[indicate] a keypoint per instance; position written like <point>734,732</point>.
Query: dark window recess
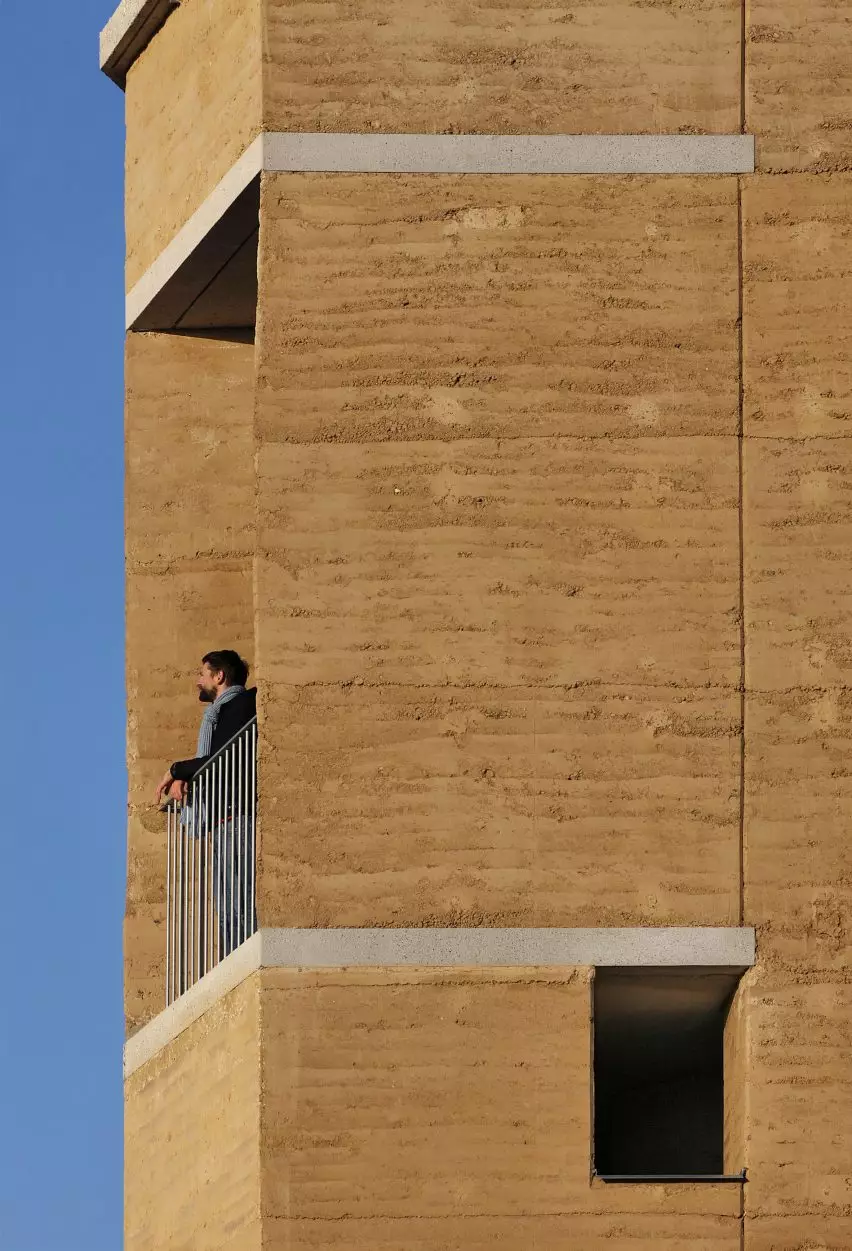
<point>658,1072</point>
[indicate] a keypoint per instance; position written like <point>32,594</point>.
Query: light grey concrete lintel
<point>366,948</point>
<point>681,947</point>
<point>508,154</point>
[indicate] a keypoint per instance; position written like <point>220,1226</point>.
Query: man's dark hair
<point>230,663</point>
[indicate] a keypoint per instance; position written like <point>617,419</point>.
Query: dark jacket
<point>234,714</point>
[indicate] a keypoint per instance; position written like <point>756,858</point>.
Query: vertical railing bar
<point>208,906</point>
<point>196,920</point>
<point>197,871</point>
<point>226,867</point>
<point>246,794</point>
<point>224,859</point>
<point>238,838</point>
<point>218,861</point>
<point>235,827</point>
<point>235,859</point>
<point>179,908</point>
<point>241,925</point>
<point>173,918</point>
<point>196,850</point>
<point>232,852</point>
<point>202,878</point>
<point>208,876</point>
<point>185,915</point>
<point>188,905</point>
<point>235,848</point>
<point>168,894</point>
<point>190,882</point>
<point>199,848</point>
<point>178,889</point>
<point>245,831</point>
<point>173,901</point>
<point>250,831</point>
<point>252,812</point>
<point>175,912</point>
<point>217,857</point>
<point>202,871</point>
<point>213,866</point>
<point>196,932</point>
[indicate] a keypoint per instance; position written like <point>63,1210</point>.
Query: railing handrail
<point>218,752</point>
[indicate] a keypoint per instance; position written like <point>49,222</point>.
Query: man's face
<point>207,684</point>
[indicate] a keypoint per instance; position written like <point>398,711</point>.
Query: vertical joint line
<point>743,36</point>
<point>742,1217</point>
<point>741,539</point>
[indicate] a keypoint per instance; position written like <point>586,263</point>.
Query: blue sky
<point>61,631</point>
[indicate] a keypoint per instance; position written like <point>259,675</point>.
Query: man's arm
<point>169,788</point>
<point>182,772</point>
<point>185,770</point>
<point>231,721</point>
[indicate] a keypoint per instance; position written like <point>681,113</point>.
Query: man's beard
<point>206,695</point>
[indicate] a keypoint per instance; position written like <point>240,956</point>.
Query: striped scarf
<point>192,816</point>
<point>211,718</point>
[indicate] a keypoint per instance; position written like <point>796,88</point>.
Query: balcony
<point>210,864</point>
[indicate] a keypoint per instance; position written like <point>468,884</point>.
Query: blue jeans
<point>234,878</point>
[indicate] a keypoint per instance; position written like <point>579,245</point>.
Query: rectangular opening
<point>659,1098</point>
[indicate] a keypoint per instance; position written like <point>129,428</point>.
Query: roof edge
<point>128,32</point>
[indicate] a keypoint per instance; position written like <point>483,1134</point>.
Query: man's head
<point>218,671</point>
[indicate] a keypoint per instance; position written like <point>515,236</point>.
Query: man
<point>221,685</point>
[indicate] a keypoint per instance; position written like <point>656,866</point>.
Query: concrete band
<point>508,154</point>
<point>278,152</point>
<point>690,948</point>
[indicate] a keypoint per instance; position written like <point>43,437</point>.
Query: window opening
<point>659,1099</point>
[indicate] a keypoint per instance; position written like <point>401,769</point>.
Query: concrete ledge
<point>505,948</point>
<point>277,152</point>
<point>508,154</point>
<point>172,1021</point>
<point>688,947</point>
<point>128,33</point>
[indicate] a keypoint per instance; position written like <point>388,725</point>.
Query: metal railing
<point>210,865</point>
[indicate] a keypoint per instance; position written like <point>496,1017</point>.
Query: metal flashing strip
<point>128,33</point>
<point>712,947</point>
<point>278,153</point>
<point>508,154</point>
<point>663,1178</point>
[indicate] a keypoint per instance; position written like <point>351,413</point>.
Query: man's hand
<point>177,791</point>
<point>170,789</point>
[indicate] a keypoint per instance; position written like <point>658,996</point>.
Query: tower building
<point>489,389</point>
